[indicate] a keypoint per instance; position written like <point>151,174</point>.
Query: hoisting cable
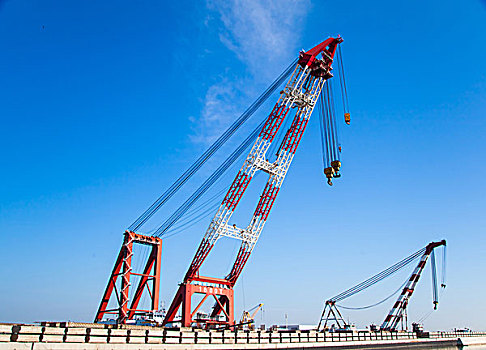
<point>435,294</point>
<point>336,163</point>
<point>211,150</point>
<point>183,227</point>
<point>443,285</point>
<point>209,181</point>
<point>329,134</point>
<point>188,220</point>
<point>344,92</point>
<point>324,141</point>
<point>332,121</point>
<point>443,272</point>
<point>378,277</point>
<point>376,304</point>
<point>427,314</point>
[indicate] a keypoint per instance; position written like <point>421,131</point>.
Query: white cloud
<point>217,110</point>
<point>263,34</point>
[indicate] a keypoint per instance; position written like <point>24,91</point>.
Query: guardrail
<point>96,333</point>
<point>150,335</point>
<point>456,334</point>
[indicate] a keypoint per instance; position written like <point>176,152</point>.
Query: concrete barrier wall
<point>79,333</point>
<point>71,333</point>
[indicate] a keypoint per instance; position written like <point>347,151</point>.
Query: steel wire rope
<point>433,269</point>
<point>189,220</point>
<point>192,222</point>
<point>334,124</point>
<point>211,150</point>
<point>189,223</point>
<point>187,217</point>
<point>378,277</point>
<point>178,230</point>
<point>341,66</point>
<point>214,201</point>
<point>209,181</point>
<point>191,213</point>
<point>341,82</point>
<point>329,121</point>
<point>368,283</point>
<point>372,281</point>
<point>326,125</point>
<point>427,314</point>
<point>324,141</point>
<point>385,273</point>
<point>216,198</point>
<point>443,272</point>
<point>375,304</point>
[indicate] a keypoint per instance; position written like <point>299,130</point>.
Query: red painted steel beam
<point>109,288</point>
<point>123,264</point>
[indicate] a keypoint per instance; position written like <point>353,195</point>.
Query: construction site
<point>210,310</point>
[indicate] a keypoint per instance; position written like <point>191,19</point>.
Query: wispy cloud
<point>219,106</point>
<point>263,34</point>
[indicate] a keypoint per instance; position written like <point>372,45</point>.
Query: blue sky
<point>104,104</point>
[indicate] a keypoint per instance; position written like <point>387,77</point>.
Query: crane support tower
<point>300,96</point>
<point>398,313</point>
<point>123,269</point>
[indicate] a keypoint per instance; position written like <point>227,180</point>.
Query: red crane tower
<point>300,96</point>
<point>123,270</point>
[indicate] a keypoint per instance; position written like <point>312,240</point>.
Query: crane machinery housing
<point>307,77</point>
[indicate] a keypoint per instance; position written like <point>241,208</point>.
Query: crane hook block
<point>347,118</point>
<point>329,172</point>
<point>336,165</point>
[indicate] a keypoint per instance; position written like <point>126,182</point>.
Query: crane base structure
<point>331,313</point>
<point>215,289</point>
<point>123,269</point>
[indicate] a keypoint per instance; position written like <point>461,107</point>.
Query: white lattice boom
<point>299,98</point>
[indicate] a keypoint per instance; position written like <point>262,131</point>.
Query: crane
<point>308,76</point>
<point>248,316</point>
<point>399,310</point>
<point>299,98</point>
